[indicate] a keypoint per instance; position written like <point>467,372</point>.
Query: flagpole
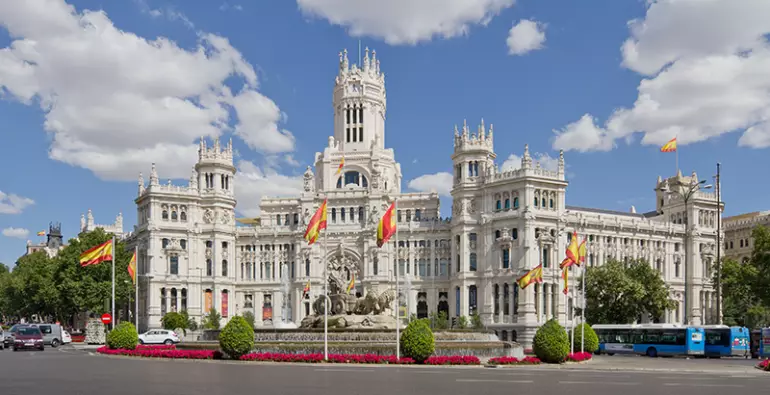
<point>136,285</point>
<point>676,152</point>
<point>326,297</point>
<point>583,312</point>
<point>572,319</point>
<point>114,256</point>
<point>398,296</point>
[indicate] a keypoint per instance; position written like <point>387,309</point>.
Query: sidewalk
<point>84,346</point>
<point>678,365</point>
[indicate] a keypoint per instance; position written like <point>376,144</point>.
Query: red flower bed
<point>162,353</point>
<point>514,361</point>
<point>579,357</point>
<point>317,358</point>
<point>155,347</point>
<point>764,365</point>
<point>453,360</point>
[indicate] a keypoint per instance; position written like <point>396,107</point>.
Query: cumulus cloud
<point>406,21</point>
<point>513,162</point>
<point>19,233</point>
<point>525,36</point>
<point>705,66</point>
<point>114,102</point>
<point>13,204</point>
<point>255,182</point>
<point>440,183</point>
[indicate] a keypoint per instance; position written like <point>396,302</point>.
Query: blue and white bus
<point>650,339</point>
<point>726,341</point>
<point>764,343</point>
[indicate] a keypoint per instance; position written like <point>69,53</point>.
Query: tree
<point>250,319</point>
<point>618,293</point>
<point>174,321</point>
<point>212,320</point>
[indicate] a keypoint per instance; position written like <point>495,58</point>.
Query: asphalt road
<point>67,371</point>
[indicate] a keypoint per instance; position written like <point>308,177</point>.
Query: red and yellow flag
<point>98,254</point>
<point>352,283</point>
<point>535,275</point>
<point>306,290</point>
<point>41,233</point>
<point>317,223</point>
<point>564,275</point>
<point>582,251</point>
<point>573,253</point>
<point>132,268</point>
<point>670,146</point>
<point>387,226</point>
<point>342,164</point>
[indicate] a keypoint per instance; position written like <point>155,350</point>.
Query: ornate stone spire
<point>345,62</point>
<point>375,63</point>
<point>366,60</point>
<point>82,222</point>
<point>526,160</point>
<point>194,178</point>
<point>561,162</point>
<point>90,219</point>
<point>482,130</point>
<point>465,129</point>
<point>490,135</point>
<point>153,175</point>
<point>217,147</point>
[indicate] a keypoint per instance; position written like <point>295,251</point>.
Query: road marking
<point>432,372</point>
<point>610,373</point>
<point>594,382</point>
<point>506,374</point>
<point>703,385</point>
<point>344,370</point>
<point>494,381</point>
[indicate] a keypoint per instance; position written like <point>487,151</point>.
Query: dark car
<point>27,337</point>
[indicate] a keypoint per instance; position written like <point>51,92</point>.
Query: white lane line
<point>594,382</point>
<point>614,376</point>
<point>507,374</point>
<point>703,385</point>
<point>344,370</point>
<point>432,372</point>
<point>494,381</point>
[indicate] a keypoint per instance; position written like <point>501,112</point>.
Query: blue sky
<point>90,99</point>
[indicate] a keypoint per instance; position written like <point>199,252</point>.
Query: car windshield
<point>29,331</point>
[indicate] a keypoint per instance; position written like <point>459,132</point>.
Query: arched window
<point>307,267</point>
<point>286,220</point>
<point>162,301</point>
<point>496,298</point>
<point>542,202</point>
<point>472,298</point>
<point>551,203</point>
<point>506,300</point>
<point>342,214</point>
<point>498,204</point>
<point>208,300</point>
<point>183,216</point>
<point>296,218</point>
<point>741,243</point>
<point>184,299</point>
<point>352,213</point>
<point>507,203</point>
<point>164,243</point>
<point>516,202</point>
<point>164,214</point>
<point>537,201</point>
<point>225,303</point>
<point>173,215</point>
<point>361,215</point>
<point>334,215</point>
<point>515,300</point>
<point>417,214</point>
<point>173,300</point>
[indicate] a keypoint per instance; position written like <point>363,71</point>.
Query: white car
<point>159,336</point>
<point>66,338</point>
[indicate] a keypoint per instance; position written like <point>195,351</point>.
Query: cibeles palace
<point>195,255</point>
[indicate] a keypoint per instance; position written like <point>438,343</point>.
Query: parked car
<point>51,334</point>
<point>8,337</point>
<point>27,336</point>
<point>65,337</point>
<point>2,338</point>
<point>159,336</point>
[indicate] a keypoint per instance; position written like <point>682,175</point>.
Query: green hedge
<point>417,340</point>
<point>124,336</point>
<point>237,338</point>
<point>591,340</point>
<point>551,343</point>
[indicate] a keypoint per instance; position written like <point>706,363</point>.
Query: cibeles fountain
<point>285,322</point>
<point>373,310</point>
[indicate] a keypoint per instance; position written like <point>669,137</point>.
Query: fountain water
<point>406,292</point>
<point>285,300</point>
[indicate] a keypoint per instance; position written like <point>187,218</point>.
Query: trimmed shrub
<point>551,344</point>
<point>173,321</point>
<point>237,339</point>
<point>123,337</point>
<point>417,341</point>
<point>250,319</point>
<point>591,340</point>
<point>212,320</point>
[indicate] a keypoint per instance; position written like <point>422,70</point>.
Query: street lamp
<point>686,190</point>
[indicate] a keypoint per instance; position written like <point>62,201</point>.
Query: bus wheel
<point>652,352</point>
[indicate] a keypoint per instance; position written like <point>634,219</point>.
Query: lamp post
<point>718,185</point>
<point>686,191</point>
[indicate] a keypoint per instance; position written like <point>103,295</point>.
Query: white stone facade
<point>192,254</point>
<point>739,243</point>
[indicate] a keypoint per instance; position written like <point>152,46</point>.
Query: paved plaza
<point>70,371</point>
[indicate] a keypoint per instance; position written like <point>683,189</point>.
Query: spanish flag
<point>352,283</point>
<point>306,290</point>
<point>41,233</point>
<point>564,275</point>
<point>98,254</point>
<point>533,276</point>
<point>317,223</point>
<point>670,146</point>
<point>573,253</point>
<point>132,268</point>
<point>387,226</point>
<point>342,164</point>
<point>582,252</point>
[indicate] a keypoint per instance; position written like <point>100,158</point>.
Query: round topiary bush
<point>551,344</point>
<point>124,337</point>
<point>174,321</point>
<point>417,341</point>
<point>237,338</point>
<point>591,340</point>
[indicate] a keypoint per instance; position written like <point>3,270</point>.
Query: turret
<point>215,170</point>
<point>474,154</point>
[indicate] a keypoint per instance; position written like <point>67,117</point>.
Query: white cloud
<point>227,6</point>
<point>13,204</point>
<point>114,102</point>
<point>705,64</point>
<point>406,21</point>
<point>525,36</point>
<point>513,162</point>
<point>19,233</point>
<point>254,183</point>
<point>440,182</point>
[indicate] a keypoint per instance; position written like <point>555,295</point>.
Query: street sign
<point>106,318</point>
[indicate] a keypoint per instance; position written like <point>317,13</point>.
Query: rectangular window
<point>545,257</point>
<point>174,264</point>
<point>348,133</point>
<point>360,134</point>
<point>360,115</point>
<point>506,258</point>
